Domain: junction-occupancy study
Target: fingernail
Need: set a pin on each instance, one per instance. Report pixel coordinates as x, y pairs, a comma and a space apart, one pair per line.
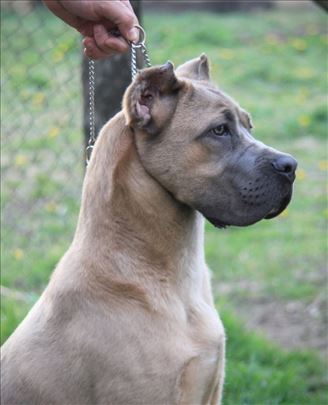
133, 35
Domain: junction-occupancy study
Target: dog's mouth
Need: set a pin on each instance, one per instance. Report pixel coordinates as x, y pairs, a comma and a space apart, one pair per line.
217, 223
276, 211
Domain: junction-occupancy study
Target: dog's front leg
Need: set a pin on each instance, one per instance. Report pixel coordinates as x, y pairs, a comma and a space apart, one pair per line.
194, 388
216, 395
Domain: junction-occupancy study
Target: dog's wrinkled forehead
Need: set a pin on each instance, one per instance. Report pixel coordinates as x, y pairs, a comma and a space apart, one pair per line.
197, 72
205, 98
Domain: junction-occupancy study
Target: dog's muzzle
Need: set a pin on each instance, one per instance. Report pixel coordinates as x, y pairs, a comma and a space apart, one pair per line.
264, 196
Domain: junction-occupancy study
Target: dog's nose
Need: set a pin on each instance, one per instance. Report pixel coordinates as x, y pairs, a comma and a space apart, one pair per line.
285, 165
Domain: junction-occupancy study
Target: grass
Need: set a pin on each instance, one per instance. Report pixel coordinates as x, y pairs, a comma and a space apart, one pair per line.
272, 63
260, 373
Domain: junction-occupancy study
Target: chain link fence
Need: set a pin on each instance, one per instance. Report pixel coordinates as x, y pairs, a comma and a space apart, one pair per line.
41, 142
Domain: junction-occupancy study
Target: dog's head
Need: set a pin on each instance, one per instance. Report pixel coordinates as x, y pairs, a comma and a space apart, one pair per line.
196, 142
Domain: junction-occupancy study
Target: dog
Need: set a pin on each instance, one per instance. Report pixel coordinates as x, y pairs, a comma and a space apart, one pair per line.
128, 315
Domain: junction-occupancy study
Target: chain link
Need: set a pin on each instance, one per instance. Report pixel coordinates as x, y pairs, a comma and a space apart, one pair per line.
137, 47
146, 56
134, 64
134, 69
92, 124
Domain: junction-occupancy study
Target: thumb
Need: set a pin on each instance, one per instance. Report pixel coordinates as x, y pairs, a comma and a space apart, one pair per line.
128, 32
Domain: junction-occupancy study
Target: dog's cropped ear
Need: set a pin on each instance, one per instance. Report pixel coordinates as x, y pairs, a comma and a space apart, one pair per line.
246, 119
196, 69
151, 97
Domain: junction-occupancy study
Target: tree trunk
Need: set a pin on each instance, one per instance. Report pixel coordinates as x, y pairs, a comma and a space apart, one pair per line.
112, 76
322, 3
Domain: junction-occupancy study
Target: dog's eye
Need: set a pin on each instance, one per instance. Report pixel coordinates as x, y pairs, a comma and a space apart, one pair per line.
220, 130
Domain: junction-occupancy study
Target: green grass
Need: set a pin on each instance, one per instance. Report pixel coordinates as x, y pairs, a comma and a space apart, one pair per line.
273, 64
260, 373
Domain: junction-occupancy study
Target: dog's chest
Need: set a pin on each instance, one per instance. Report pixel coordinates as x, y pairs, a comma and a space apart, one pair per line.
179, 357
204, 327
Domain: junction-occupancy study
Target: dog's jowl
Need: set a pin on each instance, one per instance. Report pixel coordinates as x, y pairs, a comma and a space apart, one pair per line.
128, 315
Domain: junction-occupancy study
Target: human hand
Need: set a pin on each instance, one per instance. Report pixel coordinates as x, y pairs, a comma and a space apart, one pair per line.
97, 21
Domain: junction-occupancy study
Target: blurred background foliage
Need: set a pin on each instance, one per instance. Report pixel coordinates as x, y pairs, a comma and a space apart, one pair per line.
269, 280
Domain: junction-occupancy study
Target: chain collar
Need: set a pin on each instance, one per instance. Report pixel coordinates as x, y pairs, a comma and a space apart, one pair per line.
138, 47
92, 113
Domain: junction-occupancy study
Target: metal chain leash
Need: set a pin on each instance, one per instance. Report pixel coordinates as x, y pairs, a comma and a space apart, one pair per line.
136, 47
92, 118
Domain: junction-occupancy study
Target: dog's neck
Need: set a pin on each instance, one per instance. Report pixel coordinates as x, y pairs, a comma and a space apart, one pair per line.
128, 221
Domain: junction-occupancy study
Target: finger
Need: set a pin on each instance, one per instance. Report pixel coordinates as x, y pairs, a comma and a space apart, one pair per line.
92, 51
118, 44
86, 29
95, 55
107, 42
123, 17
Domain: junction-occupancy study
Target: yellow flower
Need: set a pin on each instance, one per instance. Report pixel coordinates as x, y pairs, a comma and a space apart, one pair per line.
300, 174
63, 47
323, 165
58, 56
38, 98
20, 160
298, 44
226, 54
18, 254
50, 206
304, 121
53, 132
285, 213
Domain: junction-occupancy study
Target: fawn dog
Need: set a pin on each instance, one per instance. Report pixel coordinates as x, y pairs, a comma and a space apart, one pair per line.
128, 315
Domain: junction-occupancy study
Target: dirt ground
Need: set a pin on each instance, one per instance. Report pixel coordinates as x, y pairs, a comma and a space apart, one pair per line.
291, 324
